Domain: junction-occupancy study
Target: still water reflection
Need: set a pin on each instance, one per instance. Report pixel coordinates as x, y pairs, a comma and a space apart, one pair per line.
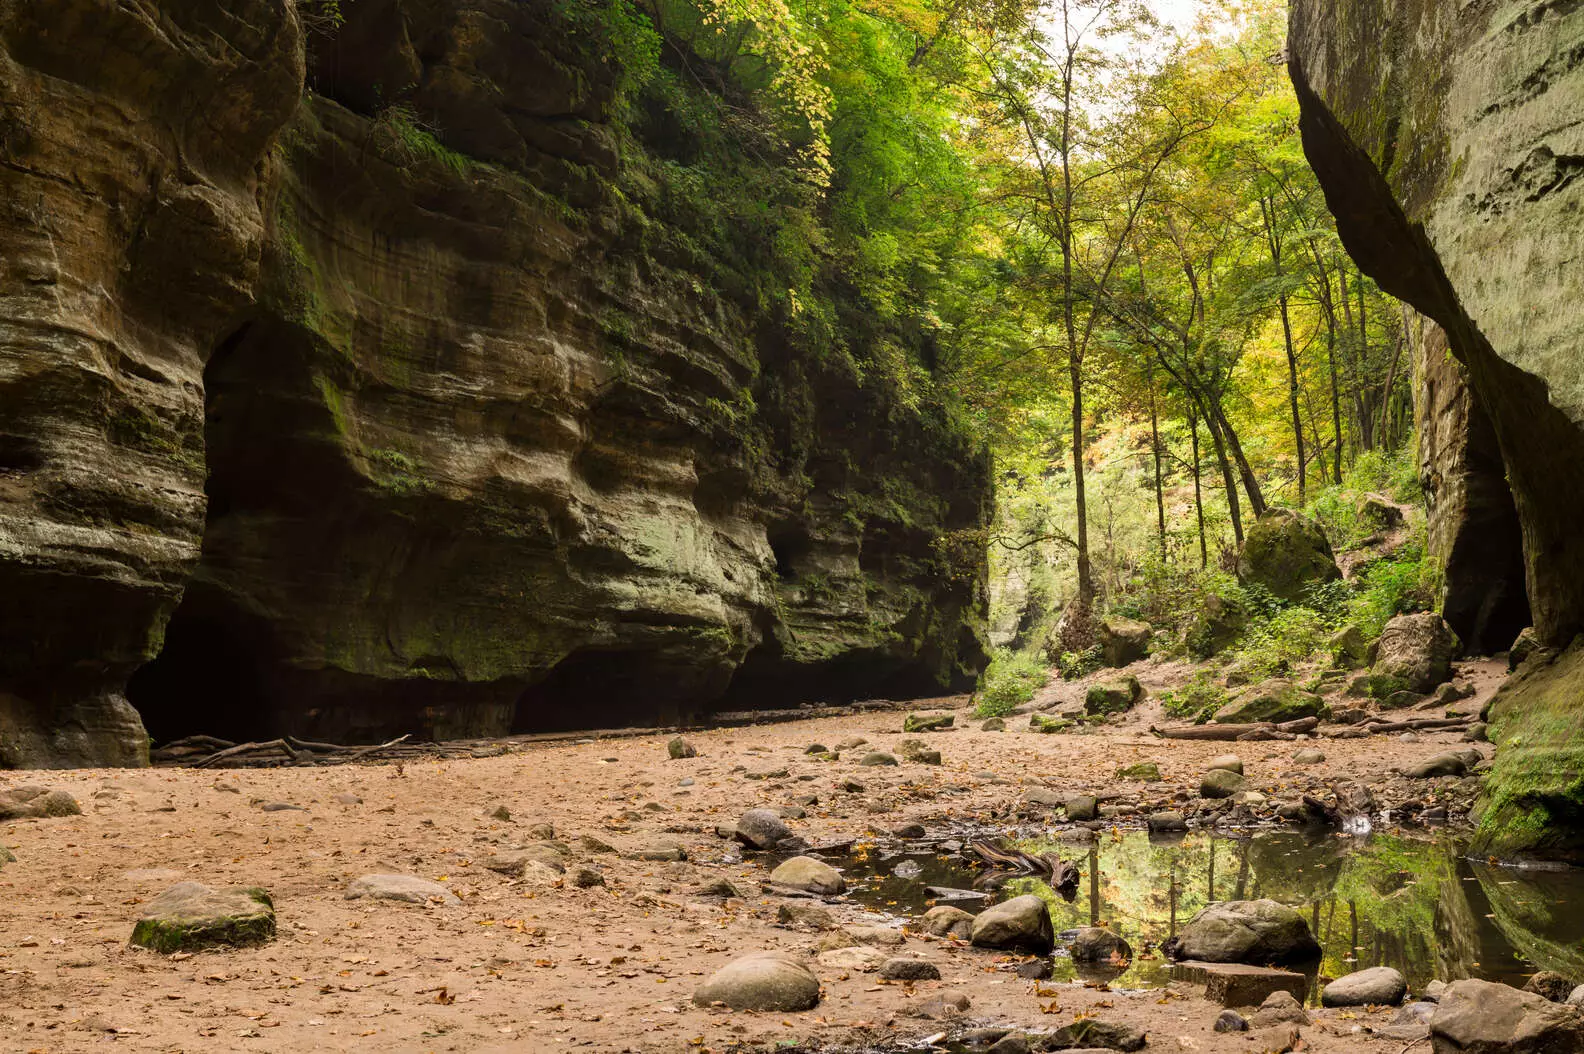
1414, 904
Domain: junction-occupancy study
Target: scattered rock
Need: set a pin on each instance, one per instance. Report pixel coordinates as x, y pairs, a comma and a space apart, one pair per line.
1451, 763
1416, 650
1482, 1017
761, 828
1113, 697
1376, 986
587, 878
281, 806
655, 850
850, 786
31, 802
905, 969
1215, 626
516, 865
1308, 756
1220, 783
1083, 807
1145, 771
595, 845
926, 722
1524, 646
1349, 650
1123, 641
1035, 969
1166, 822
1231, 1021
763, 981
943, 920
6, 856
1245, 931
809, 875
500, 812
1020, 924
852, 743
1279, 1008
1230, 762
1273, 700
1011, 1043
1550, 985
857, 957
877, 757
941, 1007
811, 915
1043, 797
1576, 997
994, 724
1091, 1032
541, 831
409, 889
1097, 944
680, 748
190, 915
349, 799
918, 752
817, 748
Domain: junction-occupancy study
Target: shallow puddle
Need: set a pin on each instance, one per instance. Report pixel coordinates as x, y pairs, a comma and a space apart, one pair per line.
1414, 904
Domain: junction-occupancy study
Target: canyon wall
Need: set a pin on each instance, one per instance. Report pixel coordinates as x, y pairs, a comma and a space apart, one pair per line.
1449, 140
328, 414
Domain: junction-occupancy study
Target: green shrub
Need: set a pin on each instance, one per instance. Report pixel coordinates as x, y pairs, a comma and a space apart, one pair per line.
1405, 583
1272, 646
1196, 701
1011, 680
1075, 664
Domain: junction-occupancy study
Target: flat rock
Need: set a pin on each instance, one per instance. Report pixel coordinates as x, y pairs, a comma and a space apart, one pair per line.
32, 802
1376, 986
926, 722
1230, 762
657, 849
1482, 1017
902, 968
858, 957
810, 875
943, 920
1020, 924
763, 981
190, 915
761, 828
1093, 1033
409, 889
1308, 756
1043, 797
1235, 984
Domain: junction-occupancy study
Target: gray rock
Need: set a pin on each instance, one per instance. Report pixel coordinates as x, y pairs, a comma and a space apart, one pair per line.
811, 915
1308, 756
595, 845
764, 981
1097, 944
409, 889
1550, 985
1279, 1008
809, 875
680, 748
1448, 764
1256, 932
902, 968
1020, 924
1082, 807
1576, 997
1092, 1033
1482, 1017
655, 849
515, 864
1220, 783
918, 752
943, 920
1416, 651
1043, 797
190, 915
1011, 1043
1376, 986
852, 743
281, 806
1123, 641
1230, 762
994, 724
1231, 1021
1035, 969
761, 828
347, 799
858, 957
877, 757
30, 802
541, 831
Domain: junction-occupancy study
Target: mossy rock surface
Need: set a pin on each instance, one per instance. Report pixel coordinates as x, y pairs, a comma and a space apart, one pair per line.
1041, 723
1287, 554
191, 916
1113, 697
1144, 771
1272, 701
926, 722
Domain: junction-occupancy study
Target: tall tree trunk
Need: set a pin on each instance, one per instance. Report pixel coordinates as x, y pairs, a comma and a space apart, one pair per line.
1363, 412
1250, 482
1273, 241
1230, 480
1193, 430
1336, 391
1155, 448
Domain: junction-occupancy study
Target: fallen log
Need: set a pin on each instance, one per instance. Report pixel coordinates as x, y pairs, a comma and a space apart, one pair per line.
1417, 724
246, 748
1298, 727
366, 751
1225, 733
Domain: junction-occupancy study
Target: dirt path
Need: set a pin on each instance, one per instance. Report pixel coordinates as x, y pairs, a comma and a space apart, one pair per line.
533, 969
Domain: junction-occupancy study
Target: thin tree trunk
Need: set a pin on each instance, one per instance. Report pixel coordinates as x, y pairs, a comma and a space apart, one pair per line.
1227, 476
1155, 448
1250, 481
1336, 392
1193, 430
1273, 242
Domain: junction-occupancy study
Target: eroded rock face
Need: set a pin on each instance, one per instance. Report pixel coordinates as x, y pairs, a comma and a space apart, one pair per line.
483, 441
131, 237
1448, 142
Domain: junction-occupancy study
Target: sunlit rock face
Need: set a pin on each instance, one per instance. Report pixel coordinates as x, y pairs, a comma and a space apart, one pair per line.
445, 439
1450, 141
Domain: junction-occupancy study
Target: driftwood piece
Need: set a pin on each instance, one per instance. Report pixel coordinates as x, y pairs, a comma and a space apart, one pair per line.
1224, 733
1300, 726
246, 748
1418, 724
366, 751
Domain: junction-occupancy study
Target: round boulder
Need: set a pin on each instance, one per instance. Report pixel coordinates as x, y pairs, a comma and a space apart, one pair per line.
763, 981
1287, 554
1230, 762
1255, 932
943, 920
1020, 924
761, 828
1220, 783
1377, 986
809, 875
1415, 652
1096, 944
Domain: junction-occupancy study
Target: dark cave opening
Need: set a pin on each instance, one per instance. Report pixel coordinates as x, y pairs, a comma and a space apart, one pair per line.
604, 688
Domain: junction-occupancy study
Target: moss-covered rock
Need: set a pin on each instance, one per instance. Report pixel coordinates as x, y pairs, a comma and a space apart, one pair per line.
1215, 626
1286, 553
1349, 649
1046, 724
191, 916
1113, 697
1532, 802
1123, 641
926, 722
1272, 701
1143, 771
1416, 650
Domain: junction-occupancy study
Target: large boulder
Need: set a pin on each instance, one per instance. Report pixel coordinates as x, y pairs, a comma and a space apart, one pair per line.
1123, 641
764, 981
1113, 697
32, 801
1376, 986
1482, 1017
809, 875
1275, 700
190, 916
1098, 944
1020, 924
1257, 932
1213, 628
1416, 652
1286, 553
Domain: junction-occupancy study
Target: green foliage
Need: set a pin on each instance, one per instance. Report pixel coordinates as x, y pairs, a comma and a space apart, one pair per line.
1275, 645
396, 131
1075, 664
1010, 681
322, 16
1196, 701
1402, 584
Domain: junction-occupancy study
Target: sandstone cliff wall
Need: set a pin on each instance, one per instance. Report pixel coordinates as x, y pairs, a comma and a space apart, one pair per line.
353, 427
1450, 141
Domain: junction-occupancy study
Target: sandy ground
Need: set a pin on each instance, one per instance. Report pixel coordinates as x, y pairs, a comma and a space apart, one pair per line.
533, 969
